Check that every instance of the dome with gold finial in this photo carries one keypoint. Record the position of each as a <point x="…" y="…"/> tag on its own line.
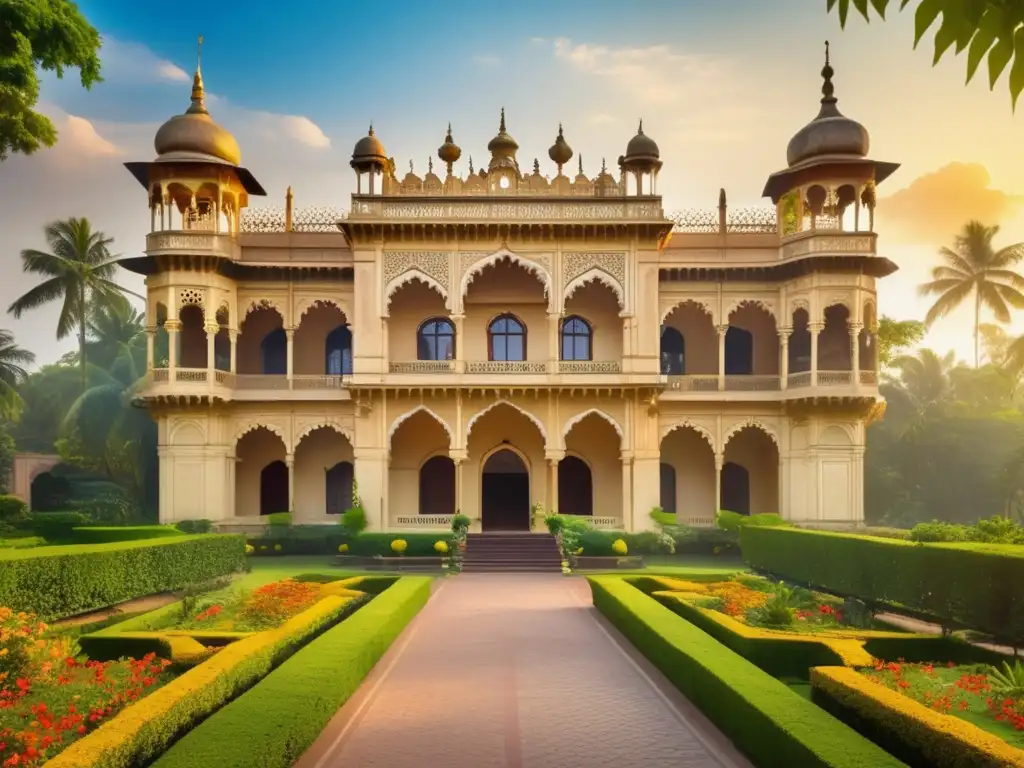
<point x="369" y="154"/>
<point x="449" y="152"/>
<point x="642" y="152"/>
<point x="194" y="136"/>
<point x="560" y="152"/>
<point x="502" y="144"/>
<point x="831" y="132"/>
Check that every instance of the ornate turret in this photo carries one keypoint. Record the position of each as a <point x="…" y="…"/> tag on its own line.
<point x="449" y="152"/>
<point x="642" y="158"/>
<point x="369" y="156"/>
<point x="503" y="150"/>
<point x="560" y="152"/>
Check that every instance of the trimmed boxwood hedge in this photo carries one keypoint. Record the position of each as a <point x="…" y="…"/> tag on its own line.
<point x="325" y="540"/>
<point x="296" y="701"/>
<point x="969" y="585"/>
<point x="56" y="582"/>
<point x="770" y="723"/>
<point x="107" y="534"/>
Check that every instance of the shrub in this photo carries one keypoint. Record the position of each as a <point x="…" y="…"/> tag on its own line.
<point x="938" y="531"/>
<point x="993" y="530"/>
<point x="12" y="508"/>
<point x="417" y="544"/>
<point x="304" y="693"/>
<point x="770" y="723"/>
<point x="734" y="521"/>
<point x="55" y="582"/>
<point x="195" y="526"/>
<point x="55" y="526"/>
<point x="354" y="521"/>
<point x="460" y="524"/>
<point x="971" y="585"/>
<point x="619" y="547"/>
<point x="103" y="535"/>
<point x="279" y="518"/>
<point x="663" y="518"/>
<point x="109" y="508"/>
<point x="398" y="546"/>
<point x="441" y="547"/>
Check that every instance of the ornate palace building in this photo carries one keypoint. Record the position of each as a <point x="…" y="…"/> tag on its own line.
<point x="496" y="339"/>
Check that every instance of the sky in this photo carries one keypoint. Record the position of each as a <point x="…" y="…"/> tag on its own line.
<point x="721" y="85"/>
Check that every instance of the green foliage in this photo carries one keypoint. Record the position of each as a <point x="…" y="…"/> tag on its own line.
<point x="971" y="585"/>
<point x="100" y="535"/>
<point x="13" y="360"/>
<point x="55" y="526"/>
<point x="780" y="610"/>
<point x="279" y="519"/>
<point x="55" y="582"/>
<point x="23" y="542"/>
<point x="769" y="722"/>
<point x="460" y="524"/>
<point x="195" y="526"/>
<point x="417" y="544"/>
<point x="734" y="521"/>
<point x="895" y="336"/>
<point x="1008" y="681"/>
<point x="995" y="530"/>
<point x="602" y="543"/>
<point x="304" y="693"/>
<point x="354" y="521"/>
<point x="51" y="36"/>
<point x="12" y="508"/>
<point x="663" y="518"/>
<point x="111" y="508"/>
<point x="986" y="29"/>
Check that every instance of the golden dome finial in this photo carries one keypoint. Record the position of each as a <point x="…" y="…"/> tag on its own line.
<point x="198" y="106"/>
<point x="501" y="128"/>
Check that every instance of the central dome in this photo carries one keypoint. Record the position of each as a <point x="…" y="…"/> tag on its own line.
<point x="195" y="135"/>
<point x="503" y="143"/>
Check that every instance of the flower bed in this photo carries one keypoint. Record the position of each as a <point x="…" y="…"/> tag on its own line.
<point x="50" y="697"/>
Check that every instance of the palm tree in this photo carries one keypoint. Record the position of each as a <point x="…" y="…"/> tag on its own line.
<point x="112" y="330"/>
<point x="78" y="271"/>
<point x="974" y="266"/>
<point x="12" y="373"/>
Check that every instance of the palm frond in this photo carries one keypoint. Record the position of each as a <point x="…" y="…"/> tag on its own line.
<point x="990" y="298"/>
<point x="955" y="261"/>
<point x="952" y="297"/>
<point x="37" y="296"/>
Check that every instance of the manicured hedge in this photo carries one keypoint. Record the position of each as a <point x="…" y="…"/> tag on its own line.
<point x="140" y="733"/>
<point x="107" y="534"/>
<point x="913" y="732"/>
<point x="771" y="724"/>
<point x="294" y="703"/>
<point x="56" y="582"/>
<point x="971" y="585"/>
<point x="325" y="540"/>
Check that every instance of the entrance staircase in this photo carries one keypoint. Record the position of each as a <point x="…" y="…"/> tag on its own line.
<point x="511" y="553"/>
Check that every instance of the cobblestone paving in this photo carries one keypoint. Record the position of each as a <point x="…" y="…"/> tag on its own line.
<point x="515" y="672"/>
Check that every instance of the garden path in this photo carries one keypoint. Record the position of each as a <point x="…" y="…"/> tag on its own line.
<point x="517" y="671"/>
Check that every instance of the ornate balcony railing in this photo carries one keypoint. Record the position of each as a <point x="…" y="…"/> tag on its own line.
<point x="693" y="383"/>
<point x="835" y="378"/>
<point x="752" y="383"/>
<point x="496" y="366"/>
<point x="424" y="521"/>
<point x="273" y="382"/>
<point x="798" y="380"/>
<point x="869" y="378"/>
<point x="606" y="522"/>
<point x="192" y="241"/>
<point x="589" y="366"/>
<point x="422" y="366"/>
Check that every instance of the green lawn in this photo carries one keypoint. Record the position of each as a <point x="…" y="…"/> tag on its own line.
<point x="683" y="565"/>
<point x="274" y="568"/>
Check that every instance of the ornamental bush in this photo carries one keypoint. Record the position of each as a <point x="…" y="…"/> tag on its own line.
<point x="56" y="582"/>
<point x="12" y="508"/>
<point x="103" y="535"/>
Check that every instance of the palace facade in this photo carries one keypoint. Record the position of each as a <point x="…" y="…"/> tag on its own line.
<point x="500" y="340"/>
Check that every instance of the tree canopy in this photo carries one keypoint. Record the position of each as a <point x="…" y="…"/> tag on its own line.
<point x="986" y="29"/>
<point x="48" y="35"/>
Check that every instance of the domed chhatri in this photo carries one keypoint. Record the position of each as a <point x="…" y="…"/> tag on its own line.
<point x="642" y="152"/>
<point x="194" y="135"/>
<point x="560" y="152"/>
<point x="502" y="145"/>
<point x="830" y="133"/>
<point x="368" y="154"/>
<point x="449" y="152"/>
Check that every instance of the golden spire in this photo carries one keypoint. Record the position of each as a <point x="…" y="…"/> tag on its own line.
<point x="198" y="105"/>
<point x="501" y="128"/>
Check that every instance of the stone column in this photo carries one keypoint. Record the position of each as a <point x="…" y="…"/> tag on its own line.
<point x="290" y="336"/>
<point x="150" y="348"/>
<point x="722" y="330"/>
<point x="552" y="457"/>
<point x="233" y="338"/>
<point x="172" y="327"/>
<point x="784" y="334"/>
<point x="460" y="343"/>
<point x="289" y="461"/>
<point x="211" y="352"/>
<point x="815" y="329"/>
<point x="855" y="352"/>
<point x="459" y="459"/>
<point x="719" y="463"/>
<point x="628" y="513"/>
<point x="554" y="354"/>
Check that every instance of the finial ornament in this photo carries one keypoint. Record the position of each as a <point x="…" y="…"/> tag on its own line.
<point x="536" y="166"/>
<point x="560" y="135"/>
<point x="470" y="165"/>
<point x="581" y="164"/>
<point x="199" y="53"/>
<point x="370" y="133"/>
<point x="501" y="128"/>
<point x="640" y="130"/>
<point x="827" y="89"/>
<point x="410" y="167"/>
<point x="604" y="166"/>
<point x="430" y="165"/>
<point x="198" y="106"/>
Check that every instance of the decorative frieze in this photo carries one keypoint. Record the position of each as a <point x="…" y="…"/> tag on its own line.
<point x="431" y="263"/>
<point x="575" y="264"/>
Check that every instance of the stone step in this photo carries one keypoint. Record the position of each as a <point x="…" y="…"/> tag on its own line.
<point x="532" y="568"/>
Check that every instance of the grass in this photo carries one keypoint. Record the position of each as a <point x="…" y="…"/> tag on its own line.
<point x="276" y="568"/>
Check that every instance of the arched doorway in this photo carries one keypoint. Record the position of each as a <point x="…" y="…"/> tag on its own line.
<point x="437" y="486"/>
<point x="575" y="487"/>
<point x="274" y="488"/>
<point x="339" y="479"/>
<point x="735" y="488"/>
<point x="505" y="492"/>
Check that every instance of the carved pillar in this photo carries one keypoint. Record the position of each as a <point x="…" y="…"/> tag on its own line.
<point x="722" y="330"/>
<point x="211" y="353"/>
<point x="815" y="329"/>
<point x="460" y="343"/>
<point x="554" y="323"/>
<point x="233" y="338"/>
<point x="784" y="334"/>
<point x="172" y="327"/>
<point x="150" y="347"/>
<point x="290" y="336"/>
<point x="719" y="463"/>
<point x="289" y="461"/>
<point x="627" y="491"/>
<point x="459" y="459"/>
<point x="855" y="352"/>
<point x="553" y="457"/>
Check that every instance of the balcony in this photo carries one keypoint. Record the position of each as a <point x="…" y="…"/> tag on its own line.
<point x="495" y="372"/>
<point x="166" y="382"/>
<point x="710" y="387"/>
<point x="193" y="243"/>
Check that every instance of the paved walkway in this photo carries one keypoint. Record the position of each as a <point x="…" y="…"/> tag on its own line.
<point x="516" y="671"/>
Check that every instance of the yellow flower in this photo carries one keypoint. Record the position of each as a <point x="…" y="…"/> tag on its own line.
<point x="343" y="548"/>
<point x="263" y="548"/>
<point x="277" y="547"/>
<point x="441" y="547"/>
<point x="399" y="545"/>
<point x="249" y="549"/>
<point x="619" y="547"/>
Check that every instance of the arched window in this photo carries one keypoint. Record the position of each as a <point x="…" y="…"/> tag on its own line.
<point x="506" y="339"/>
<point x="339" y="479"/>
<point x="435" y="340"/>
<point x="338" y="351"/>
<point x="673" y="352"/>
<point x="735" y="488"/>
<point x="739" y="352"/>
<point x="575" y="487"/>
<point x="274" y="488"/>
<point x="668" y="488"/>
<point x="274" y="351"/>
<point x="437" y="486"/>
<point x="576" y="335"/>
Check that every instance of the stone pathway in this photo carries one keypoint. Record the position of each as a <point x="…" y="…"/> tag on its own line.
<point x="517" y="671"/>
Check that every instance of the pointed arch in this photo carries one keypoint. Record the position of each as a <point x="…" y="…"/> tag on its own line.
<point x="703" y="305"/>
<point x="305" y="304"/>
<point x="598" y="275"/>
<point x="256" y="304"/>
<point x="476" y="417"/>
<point x="251" y="426"/>
<point x="504" y="254"/>
<point x="409" y="414"/>
<point x="572" y="422"/>
<point x="752" y="423"/>
<point x="411" y="274"/>
<point x="689" y="424"/>
<point x="325" y="423"/>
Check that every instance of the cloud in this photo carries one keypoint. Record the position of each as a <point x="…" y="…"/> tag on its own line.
<point x="271" y="125"/>
<point x="125" y="63"/>
<point x="82" y="135"/>
<point x="933" y="208"/>
<point x="487" y="60"/>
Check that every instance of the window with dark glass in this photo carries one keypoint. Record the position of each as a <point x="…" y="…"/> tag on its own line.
<point x="338" y="351"/>
<point x="274" y="351"/>
<point x="576" y="339"/>
<point x="435" y="340"/>
<point x="506" y="339"/>
<point x="673" y="352"/>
